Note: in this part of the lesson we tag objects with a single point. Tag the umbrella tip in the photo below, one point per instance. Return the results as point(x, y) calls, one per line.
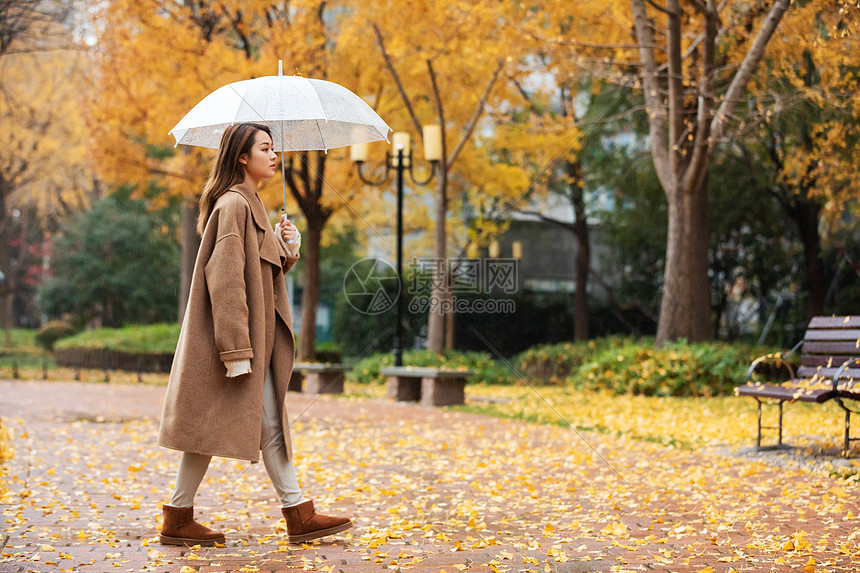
point(280, 67)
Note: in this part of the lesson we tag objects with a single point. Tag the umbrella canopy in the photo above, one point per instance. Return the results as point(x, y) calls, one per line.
point(302, 113)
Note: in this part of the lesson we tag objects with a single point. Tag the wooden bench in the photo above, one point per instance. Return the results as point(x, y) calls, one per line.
point(830, 350)
point(429, 386)
point(318, 377)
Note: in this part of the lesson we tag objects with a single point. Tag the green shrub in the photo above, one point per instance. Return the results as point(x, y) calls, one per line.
point(151, 338)
point(553, 363)
point(485, 369)
point(327, 351)
point(20, 341)
point(53, 331)
point(677, 369)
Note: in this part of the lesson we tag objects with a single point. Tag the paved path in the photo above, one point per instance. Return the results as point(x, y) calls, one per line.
point(428, 489)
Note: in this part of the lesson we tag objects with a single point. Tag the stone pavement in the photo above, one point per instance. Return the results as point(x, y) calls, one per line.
point(428, 490)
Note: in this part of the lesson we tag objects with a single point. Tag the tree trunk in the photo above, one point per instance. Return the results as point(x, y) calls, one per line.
point(435, 322)
point(583, 252)
point(682, 160)
point(805, 212)
point(806, 217)
point(311, 288)
point(449, 327)
point(685, 307)
point(190, 246)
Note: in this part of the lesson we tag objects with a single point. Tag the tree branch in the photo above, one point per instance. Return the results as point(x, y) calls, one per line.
point(526, 97)
point(702, 142)
point(748, 65)
point(572, 43)
point(546, 219)
point(470, 127)
point(289, 177)
point(318, 180)
point(616, 307)
point(676, 86)
point(237, 29)
point(305, 175)
point(381, 43)
point(653, 101)
point(700, 6)
point(658, 7)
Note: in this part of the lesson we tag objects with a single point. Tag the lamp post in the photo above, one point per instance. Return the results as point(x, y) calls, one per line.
point(401, 160)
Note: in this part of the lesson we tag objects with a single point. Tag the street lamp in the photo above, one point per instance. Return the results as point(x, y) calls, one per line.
point(400, 160)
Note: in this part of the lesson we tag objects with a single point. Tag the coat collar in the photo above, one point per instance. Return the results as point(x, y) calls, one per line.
point(269, 247)
point(258, 210)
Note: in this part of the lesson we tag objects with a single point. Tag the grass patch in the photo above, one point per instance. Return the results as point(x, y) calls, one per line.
point(678, 422)
point(151, 338)
point(22, 351)
point(481, 364)
point(22, 341)
point(690, 423)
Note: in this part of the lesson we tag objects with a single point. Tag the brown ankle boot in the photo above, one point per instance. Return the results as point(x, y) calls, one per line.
point(179, 528)
point(304, 524)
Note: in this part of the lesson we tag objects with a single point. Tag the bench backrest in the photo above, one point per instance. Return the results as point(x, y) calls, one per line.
point(830, 341)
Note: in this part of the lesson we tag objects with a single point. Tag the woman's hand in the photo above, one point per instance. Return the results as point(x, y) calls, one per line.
point(288, 230)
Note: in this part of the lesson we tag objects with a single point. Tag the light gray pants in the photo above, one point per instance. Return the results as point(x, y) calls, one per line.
point(282, 472)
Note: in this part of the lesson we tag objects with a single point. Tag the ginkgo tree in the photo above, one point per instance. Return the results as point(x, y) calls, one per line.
point(692, 86)
point(803, 123)
point(692, 68)
point(455, 69)
point(708, 73)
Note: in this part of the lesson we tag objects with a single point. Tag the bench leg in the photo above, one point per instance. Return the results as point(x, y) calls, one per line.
point(760, 427)
point(848, 439)
point(758, 433)
point(404, 388)
point(780, 424)
point(324, 383)
point(442, 391)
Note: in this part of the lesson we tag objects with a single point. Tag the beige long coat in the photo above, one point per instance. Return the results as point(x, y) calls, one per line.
point(237, 310)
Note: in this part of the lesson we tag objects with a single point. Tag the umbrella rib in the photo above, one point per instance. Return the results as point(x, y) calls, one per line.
point(322, 139)
point(262, 119)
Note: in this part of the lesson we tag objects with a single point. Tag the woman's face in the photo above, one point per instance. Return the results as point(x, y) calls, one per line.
point(261, 162)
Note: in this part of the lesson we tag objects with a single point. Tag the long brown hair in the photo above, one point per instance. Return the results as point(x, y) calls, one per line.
point(238, 139)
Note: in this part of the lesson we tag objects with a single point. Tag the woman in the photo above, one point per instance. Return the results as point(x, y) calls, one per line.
point(228, 384)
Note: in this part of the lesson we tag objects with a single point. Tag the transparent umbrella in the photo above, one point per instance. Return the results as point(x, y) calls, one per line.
point(303, 114)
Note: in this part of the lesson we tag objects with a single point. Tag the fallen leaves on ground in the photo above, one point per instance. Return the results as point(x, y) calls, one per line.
point(432, 489)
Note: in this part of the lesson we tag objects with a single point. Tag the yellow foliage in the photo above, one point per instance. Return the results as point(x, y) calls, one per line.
point(44, 162)
point(6, 450)
point(815, 53)
point(686, 422)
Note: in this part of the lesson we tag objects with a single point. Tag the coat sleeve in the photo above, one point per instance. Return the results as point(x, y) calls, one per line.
point(225, 280)
point(289, 253)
